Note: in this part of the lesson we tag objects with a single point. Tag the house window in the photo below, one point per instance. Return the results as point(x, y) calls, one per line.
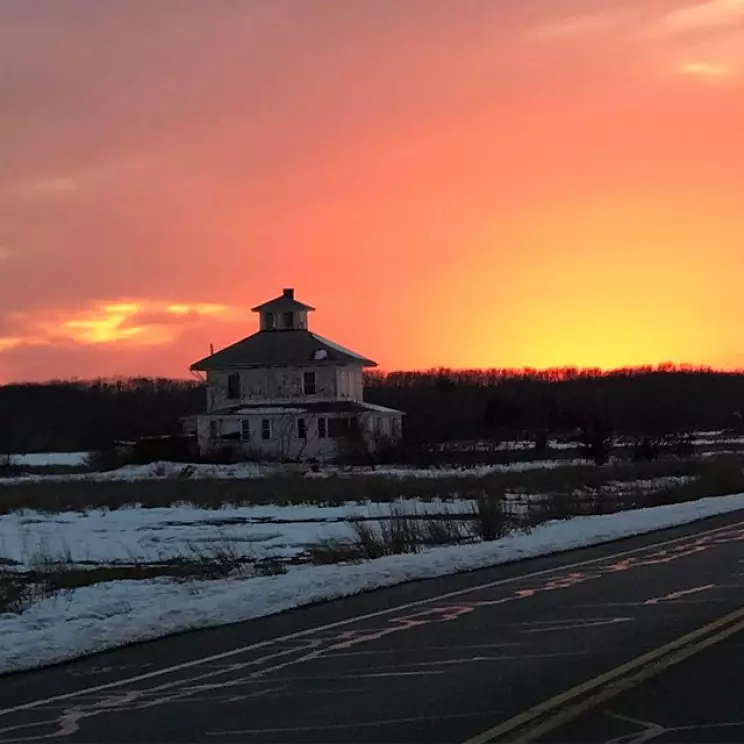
point(269, 321)
point(245, 430)
point(322, 428)
point(265, 428)
point(308, 383)
point(396, 427)
point(301, 428)
point(338, 427)
point(288, 320)
point(214, 429)
point(233, 386)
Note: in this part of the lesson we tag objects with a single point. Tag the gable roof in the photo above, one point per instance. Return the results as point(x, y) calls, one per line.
point(280, 348)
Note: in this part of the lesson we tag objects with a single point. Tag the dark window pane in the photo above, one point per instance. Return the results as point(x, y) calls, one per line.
point(308, 383)
point(233, 386)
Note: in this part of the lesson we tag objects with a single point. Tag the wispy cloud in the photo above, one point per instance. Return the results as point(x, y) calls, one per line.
point(578, 26)
point(706, 70)
point(61, 184)
point(710, 14)
point(128, 323)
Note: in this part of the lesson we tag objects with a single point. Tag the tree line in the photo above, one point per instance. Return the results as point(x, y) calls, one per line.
point(441, 405)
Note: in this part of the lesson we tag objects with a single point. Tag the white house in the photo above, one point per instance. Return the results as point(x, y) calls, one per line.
point(287, 393)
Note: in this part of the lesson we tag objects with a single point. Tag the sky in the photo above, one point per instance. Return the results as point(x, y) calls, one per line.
point(479, 183)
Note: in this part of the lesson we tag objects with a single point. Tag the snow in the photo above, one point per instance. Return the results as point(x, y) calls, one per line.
point(40, 459)
point(115, 613)
point(244, 470)
point(131, 535)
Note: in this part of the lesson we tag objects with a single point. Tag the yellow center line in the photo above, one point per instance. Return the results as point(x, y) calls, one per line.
point(675, 651)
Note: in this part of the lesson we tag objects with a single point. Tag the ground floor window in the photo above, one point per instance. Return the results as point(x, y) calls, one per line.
point(322, 428)
point(338, 428)
point(245, 430)
point(265, 428)
point(301, 428)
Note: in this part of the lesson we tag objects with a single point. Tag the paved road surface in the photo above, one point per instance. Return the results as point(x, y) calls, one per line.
point(637, 641)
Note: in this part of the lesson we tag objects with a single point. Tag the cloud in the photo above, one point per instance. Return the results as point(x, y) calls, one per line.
point(711, 14)
point(706, 70)
point(102, 173)
point(127, 324)
point(576, 26)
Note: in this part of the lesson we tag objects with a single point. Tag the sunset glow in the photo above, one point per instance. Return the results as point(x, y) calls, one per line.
point(470, 183)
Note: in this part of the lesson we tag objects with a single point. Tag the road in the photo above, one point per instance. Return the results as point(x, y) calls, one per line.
point(631, 642)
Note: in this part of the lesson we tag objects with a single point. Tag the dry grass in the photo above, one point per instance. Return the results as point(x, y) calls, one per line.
point(568, 492)
point(406, 532)
point(51, 497)
point(46, 576)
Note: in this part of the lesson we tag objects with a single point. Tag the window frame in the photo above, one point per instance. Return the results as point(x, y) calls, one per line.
point(312, 387)
point(288, 315)
point(234, 385)
point(266, 429)
point(302, 428)
point(245, 430)
point(322, 428)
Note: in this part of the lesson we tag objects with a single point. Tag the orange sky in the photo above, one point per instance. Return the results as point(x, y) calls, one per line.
point(470, 183)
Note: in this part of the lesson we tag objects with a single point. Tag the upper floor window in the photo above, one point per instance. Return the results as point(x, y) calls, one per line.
point(233, 386)
point(308, 383)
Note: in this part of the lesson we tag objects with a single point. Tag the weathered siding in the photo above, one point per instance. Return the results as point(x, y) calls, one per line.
point(284, 442)
point(273, 385)
point(350, 383)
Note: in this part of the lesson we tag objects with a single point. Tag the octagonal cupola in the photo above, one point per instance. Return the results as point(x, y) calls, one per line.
point(284, 313)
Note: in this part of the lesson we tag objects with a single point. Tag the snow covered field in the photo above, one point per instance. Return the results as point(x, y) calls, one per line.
point(135, 535)
point(110, 614)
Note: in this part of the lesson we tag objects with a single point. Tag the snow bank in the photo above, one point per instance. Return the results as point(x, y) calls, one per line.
point(113, 614)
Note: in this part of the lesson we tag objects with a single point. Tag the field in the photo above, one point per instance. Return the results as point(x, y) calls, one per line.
point(94, 559)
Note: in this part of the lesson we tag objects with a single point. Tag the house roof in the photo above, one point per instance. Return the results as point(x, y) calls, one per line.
point(282, 304)
point(318, 408)
point(281, 348)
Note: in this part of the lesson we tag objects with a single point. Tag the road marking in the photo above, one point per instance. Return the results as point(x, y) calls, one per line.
point(355, 724)
point(551, 626)
point(358, 618)
point(679, 594)
point(531, 724)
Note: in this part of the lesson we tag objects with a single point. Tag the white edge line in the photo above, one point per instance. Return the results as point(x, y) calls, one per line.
point(340, 623)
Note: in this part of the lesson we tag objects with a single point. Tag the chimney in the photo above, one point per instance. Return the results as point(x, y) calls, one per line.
point(289, 294)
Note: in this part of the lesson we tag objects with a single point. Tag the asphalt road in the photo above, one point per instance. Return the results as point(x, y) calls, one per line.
point(636, 641)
